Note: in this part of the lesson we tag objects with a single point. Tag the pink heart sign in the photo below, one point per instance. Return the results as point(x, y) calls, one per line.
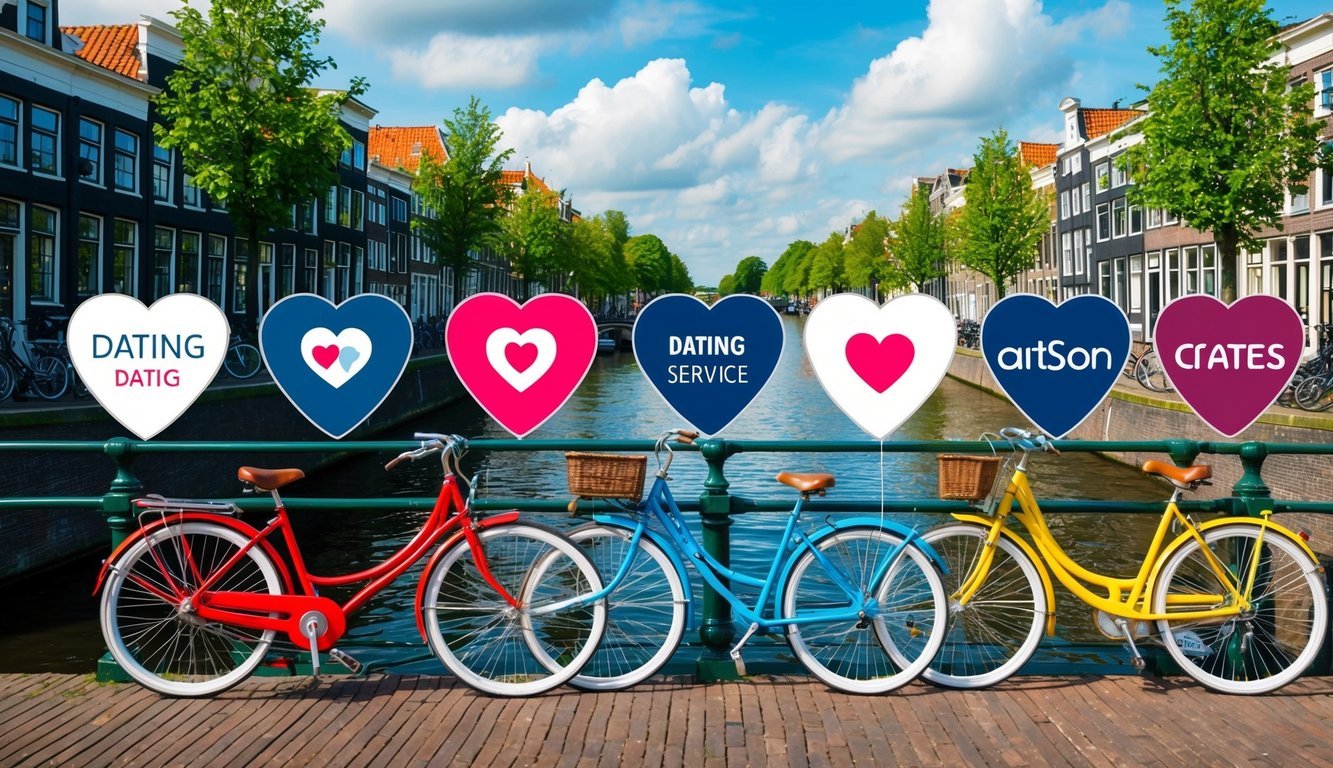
point(880, 363)
point(521, 363)
point(325, 356)
point(1229, 363)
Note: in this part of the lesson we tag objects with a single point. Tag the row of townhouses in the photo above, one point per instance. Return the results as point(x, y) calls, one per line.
point(89, 204)
point(1100, 243)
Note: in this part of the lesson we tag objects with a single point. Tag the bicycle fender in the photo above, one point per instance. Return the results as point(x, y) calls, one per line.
point(245, 529)
point(492, 520)
point(1047, 584)
point(666, 546)
point(907, 534)
point(1280, 530)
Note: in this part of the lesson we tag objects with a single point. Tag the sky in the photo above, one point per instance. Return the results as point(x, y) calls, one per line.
point(732, 129)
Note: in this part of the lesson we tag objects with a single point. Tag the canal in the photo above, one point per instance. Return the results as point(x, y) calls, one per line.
point(55, 626)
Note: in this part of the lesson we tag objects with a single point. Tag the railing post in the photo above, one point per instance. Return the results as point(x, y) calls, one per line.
point(715, 630)
point(124, 488)
point(1253, 493)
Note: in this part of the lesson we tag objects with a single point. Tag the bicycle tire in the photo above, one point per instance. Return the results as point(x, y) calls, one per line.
point(868, 655)
point(1250, 654)
point(1131, 363)
point(646, 614)
point(8, 381)
point(484, 641)
point(1151, 375)
point(50, 377)
point(1312, 394)
point(999, 629)
point(77, 385)
point(164, 648)
point(242, 361)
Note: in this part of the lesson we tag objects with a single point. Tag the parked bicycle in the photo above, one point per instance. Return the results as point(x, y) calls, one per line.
point(860, 599)
point(25, 368)
point(969, 334)
point(242, 360)
point(1311, 383)
point(54, 343)
point(1150, 374)
point(1237, 602)
point(194, 601)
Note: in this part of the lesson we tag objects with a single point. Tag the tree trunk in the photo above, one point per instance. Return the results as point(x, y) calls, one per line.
point(252, 283)
point(1227, 246)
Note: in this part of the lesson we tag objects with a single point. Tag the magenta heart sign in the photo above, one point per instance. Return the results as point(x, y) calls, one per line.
point(1229, 363)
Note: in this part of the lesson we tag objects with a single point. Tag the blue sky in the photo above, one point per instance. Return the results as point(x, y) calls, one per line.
point(732, 129)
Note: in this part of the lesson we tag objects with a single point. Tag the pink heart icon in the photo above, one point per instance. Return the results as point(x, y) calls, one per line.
point(548, 346)
point(880, 363)
point(325, 356)
point(521, 356)
point(1229, 363)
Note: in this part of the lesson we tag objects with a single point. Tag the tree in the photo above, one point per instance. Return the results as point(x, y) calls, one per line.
point(534, 239)
point(649, 262)
point(463, 192)
point(1225, 137)
point(775, 279)
point(826, 267)
point(919, 242)
point(749, 274)
point(240, 110)
point(866, 256)
point(681, 282)
point(1003, 217)
point(802, 254)
point(726, 286)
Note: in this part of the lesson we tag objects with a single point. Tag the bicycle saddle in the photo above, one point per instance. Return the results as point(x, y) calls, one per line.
point(1181, 477)
point(268, 479)
point(805, 482)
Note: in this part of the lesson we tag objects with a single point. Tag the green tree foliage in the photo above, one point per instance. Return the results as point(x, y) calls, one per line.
point(919, 242)
point(680, 281)
point(775, 279)
point(1225, 136)
point(826, 267)
point(534, 239)
point(649, 262)
point(726, 286)
point(463, 192)
point(866, 256)
point(802, 255)
point(597, 256)
point(749, 274)
point(1003, 217)
point(241, 112)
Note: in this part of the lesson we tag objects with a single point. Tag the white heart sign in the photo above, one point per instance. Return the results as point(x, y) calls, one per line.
point(336, 358)
point(507, 352)
point(879, 364)
point(147, 365)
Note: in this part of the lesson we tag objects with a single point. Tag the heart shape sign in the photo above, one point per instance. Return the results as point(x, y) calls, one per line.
point(1056, 363)
point(336, 358)
point(708, 364)
point(521, 363)
point(336, 364)
point(879, 364)
point(1229, 363)
point(147, 365)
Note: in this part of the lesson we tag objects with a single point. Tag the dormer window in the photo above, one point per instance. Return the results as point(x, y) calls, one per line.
point(36, 20)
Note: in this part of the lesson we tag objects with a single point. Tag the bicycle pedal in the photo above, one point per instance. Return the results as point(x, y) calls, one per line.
point(347, 661)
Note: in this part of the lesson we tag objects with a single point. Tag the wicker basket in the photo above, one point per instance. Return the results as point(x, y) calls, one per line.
point(606, 475)
point(968, 478)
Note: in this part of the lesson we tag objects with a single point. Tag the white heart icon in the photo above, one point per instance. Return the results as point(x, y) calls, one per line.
point(147, 365)
point(336, 358)
point(498, 348)
point(879, 364)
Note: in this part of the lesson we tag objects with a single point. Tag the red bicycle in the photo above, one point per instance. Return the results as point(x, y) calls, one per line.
point(195, 600)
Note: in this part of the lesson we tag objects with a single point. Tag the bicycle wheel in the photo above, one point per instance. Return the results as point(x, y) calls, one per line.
point(50, 377)
point(1261, 649)
point(645, 618)
point(242, 361)
point(77, 385)
point(1314, 394)
point(1131, 363)
point(7, 381)
point(1150, 373)
point(995, 634)
point(164, 647)
point(873, 653)
point(486, 642)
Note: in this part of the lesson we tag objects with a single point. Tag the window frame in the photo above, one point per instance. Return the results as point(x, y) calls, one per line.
point(87, 147)
point(51, 295)
point(16, 122)
point(118, 154)
point(53, 134)
point(170, 168)
point(128, 270)
point(93, 285)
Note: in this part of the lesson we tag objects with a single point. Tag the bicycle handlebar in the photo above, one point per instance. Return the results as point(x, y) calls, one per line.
point(431, 443)
point(1027, 441)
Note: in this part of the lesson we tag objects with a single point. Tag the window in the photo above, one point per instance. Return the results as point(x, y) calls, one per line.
point(1086, 263)
point(1209, 255)
point(287, 270)
point(331, 206)
point(1078, 251)
point(399, 209)
point(1103, 176)
point(1191, 269)
point(214, 268)
point(1326, 178)
point(1087, 196)
point(42, 255)
point(1300, 200)
point(1064, 204)
point(1136, 283)
point(187, 263)
point(306, 216)
point(127, 161)
point(164, 254)
point(344, 283)
point(1106, 287)
point(124, 257)
point(90, 150)
point(1135, 219)
point(1154, 218)
point(1168, 218)
point(44, 141)
point(1173, 273)
point(358, 155)
point(9, 131)
point(10, 217)
point(358, 209)
point(161, 174)
point(311, 270)
point(35, 21)
point(1323, 83)
point(1119, 174)
point(345, 206)
point(240, 277)
point(358, 258)
point(191, 195)
point(1075, 203)
point(1103, 221)
point(1118, 219)
point(88, 256)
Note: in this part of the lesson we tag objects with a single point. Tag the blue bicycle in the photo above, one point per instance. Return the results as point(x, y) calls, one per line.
point(860, 599)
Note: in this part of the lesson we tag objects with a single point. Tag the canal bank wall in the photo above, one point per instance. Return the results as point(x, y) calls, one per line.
point(230, 411)
point(1130, 412)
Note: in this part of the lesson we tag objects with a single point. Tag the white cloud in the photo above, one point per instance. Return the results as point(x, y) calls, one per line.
point(460, 61)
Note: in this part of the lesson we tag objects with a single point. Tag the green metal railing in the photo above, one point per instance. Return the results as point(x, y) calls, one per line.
point(716, 505)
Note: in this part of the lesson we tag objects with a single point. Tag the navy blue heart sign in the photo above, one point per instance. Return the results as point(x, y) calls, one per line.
point(336, 364)
point(1056, 364)
point(708, 363)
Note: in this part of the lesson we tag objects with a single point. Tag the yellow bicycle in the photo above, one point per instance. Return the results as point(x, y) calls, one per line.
point(1237, 602)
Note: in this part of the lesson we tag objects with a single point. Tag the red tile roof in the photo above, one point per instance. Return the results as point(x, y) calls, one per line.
point(403, 147)
point(516, 178)
point(1097, 122)
point(1036, 154)
point(113, 47)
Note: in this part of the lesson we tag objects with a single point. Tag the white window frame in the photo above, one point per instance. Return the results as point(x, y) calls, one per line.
point(57, 248)
point(1323, 92)
point(170, 166)
point(96, 271)
point(1120, 215)
point(1103, 175)
point(1064, 204)
point(1135, 210)
point(135, 250)
point(23, 11)
point(57, 146)
point(17, 123)
point(97, 177)
point(116, 154)
point(192, 196)
point(1103, 236)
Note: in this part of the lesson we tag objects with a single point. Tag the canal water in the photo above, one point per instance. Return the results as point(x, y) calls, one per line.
point(58, 631)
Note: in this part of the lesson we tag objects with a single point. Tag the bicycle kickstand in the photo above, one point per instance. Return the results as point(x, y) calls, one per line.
point(736, 652)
